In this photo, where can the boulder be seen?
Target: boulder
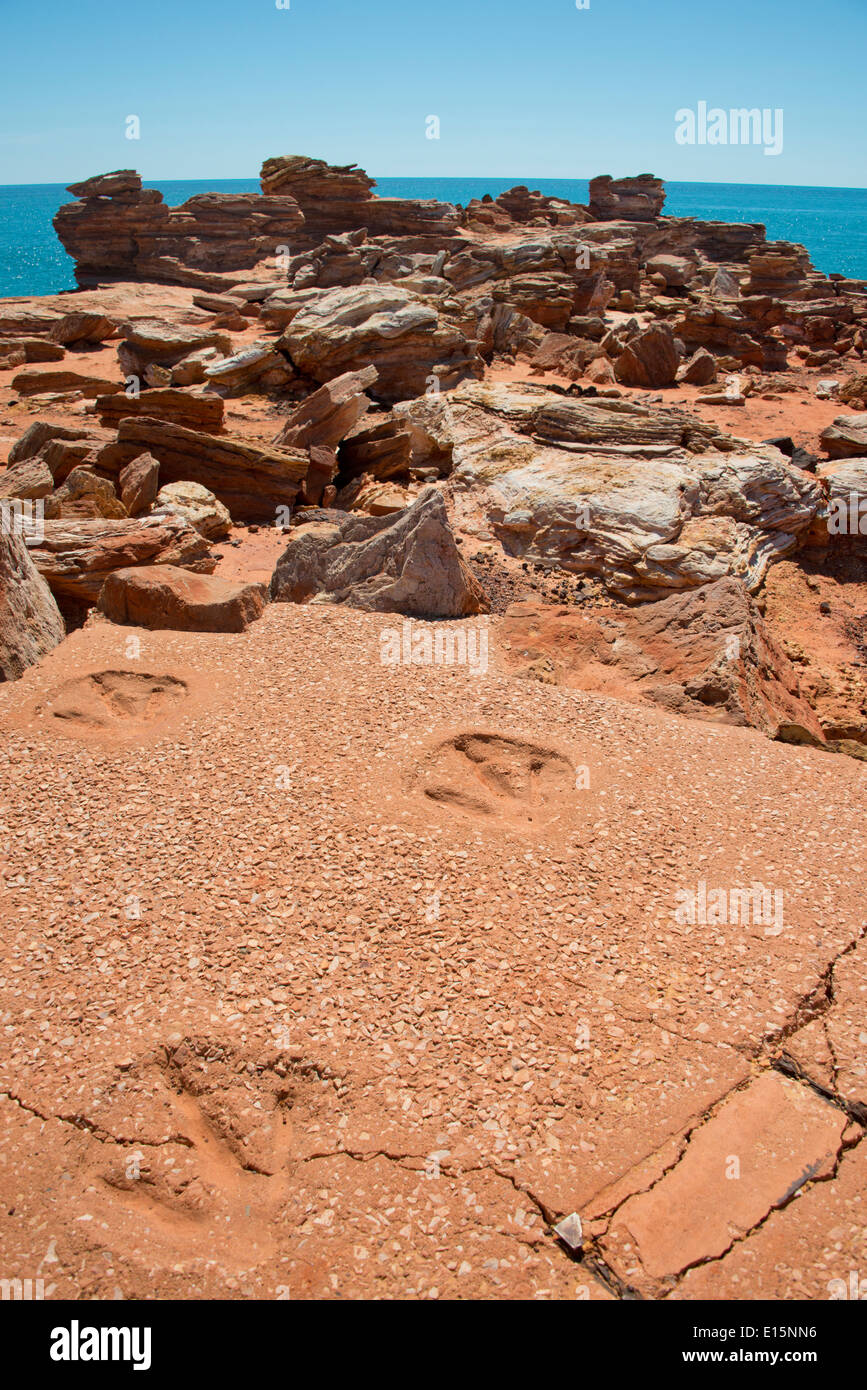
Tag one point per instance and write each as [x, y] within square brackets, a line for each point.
[259, 363]
[648, 499]
[162, 596]
[84, 493]
[676, 271]
[854, 391]
[706, 654]
[11, 357]
[846, 437]
[74, 557]
[147, 342]
[365, 494]
[327, 415]
[408, 563]
[404, 337]
[700, 370]
[44, 432]
[111, 185]
[844, 521]
[377, 445]
[196, 505]
[82, 328]
[649, 359]
[219, 303]
[723, 285]
[30, 479]
[30, 350]
[194, 410]
[251, 479]
[30, 622]
[138, 482]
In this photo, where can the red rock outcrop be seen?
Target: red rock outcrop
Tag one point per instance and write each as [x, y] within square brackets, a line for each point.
[638, 199]
[117, 229]
[706, 654]
[338, 198]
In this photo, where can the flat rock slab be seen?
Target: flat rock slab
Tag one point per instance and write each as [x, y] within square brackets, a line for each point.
[33, 382]
[562, 989]
[805, 1251]
[763, 1144]
[830, 1050]
[163, 596]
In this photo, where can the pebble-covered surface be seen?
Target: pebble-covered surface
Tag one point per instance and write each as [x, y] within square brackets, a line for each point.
[327, 977]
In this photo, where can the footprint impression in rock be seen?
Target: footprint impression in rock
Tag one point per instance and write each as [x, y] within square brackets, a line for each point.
[214, 1188]
[493, 777]
[115, 702]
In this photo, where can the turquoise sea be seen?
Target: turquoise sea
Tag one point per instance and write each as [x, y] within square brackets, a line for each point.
[830, 222]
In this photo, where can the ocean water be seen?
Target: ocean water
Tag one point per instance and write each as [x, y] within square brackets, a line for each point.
[830, 222]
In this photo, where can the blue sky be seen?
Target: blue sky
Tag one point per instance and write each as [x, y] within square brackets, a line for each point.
[521, 87]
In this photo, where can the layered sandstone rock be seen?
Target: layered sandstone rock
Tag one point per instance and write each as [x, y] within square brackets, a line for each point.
[328, 194]
[194, 410]
[649, 500]
[251, 480]
[338, 198]
[36, 382]
[30, 622]
[522, 205]
[638, 199]
[162, 596]
[74, 557]
[16, 351]
[28, 480]
[258, 365]
[82, 328]
[377, 446]
[38, 438]
[407, 563]
[846, 437]
[154, 342]
[327, 415]
[118, 229]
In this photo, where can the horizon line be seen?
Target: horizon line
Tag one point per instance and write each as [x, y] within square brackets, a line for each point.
[439, 178]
